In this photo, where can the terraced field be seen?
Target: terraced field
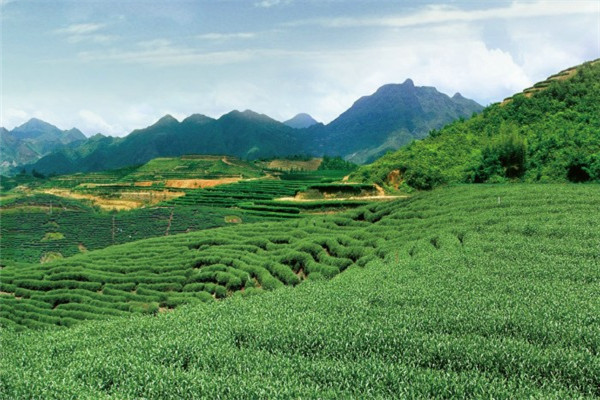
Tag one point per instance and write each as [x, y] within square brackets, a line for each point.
[464, 292]
[166, 272]
[24, 228]
[258, 196]
[161, 273]
[27, 219]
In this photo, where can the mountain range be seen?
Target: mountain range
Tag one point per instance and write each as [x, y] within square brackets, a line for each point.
[29, 142]
[393, 116]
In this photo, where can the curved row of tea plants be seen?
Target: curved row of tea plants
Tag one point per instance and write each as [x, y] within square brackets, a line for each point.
[168, 271]
[34, 227]
[482, 292]
[72, 226]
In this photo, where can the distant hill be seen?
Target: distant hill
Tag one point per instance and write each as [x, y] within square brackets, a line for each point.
[245, 134]
[32, 140]
[393, 116]
[193, 167]
[386, 120]
[301, 121]
[550, 132]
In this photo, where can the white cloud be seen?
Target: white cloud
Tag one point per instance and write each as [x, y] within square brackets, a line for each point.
[166, 56]
[80, 29]
[88, 32]
[271, 3]
[91, 38]
[154, 43]
[544, 48]
[225, 36]
[93, 123]
[11, 117]
[4, 3]
[441, 14]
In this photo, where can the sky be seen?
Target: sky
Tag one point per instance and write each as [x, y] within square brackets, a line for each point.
[113, 66]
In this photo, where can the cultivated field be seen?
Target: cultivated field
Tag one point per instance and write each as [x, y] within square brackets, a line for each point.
[471, 291]
[29, 215]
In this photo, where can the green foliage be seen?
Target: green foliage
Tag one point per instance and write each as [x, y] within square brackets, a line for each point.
[505, 157]
[336, 163]
[472, 291]
[550, 135]
[30, 222]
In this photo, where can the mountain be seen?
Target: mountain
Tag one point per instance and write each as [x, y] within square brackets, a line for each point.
[32, 140]
[301, 121]
[246, 134]
[393, 116]
[549, 132]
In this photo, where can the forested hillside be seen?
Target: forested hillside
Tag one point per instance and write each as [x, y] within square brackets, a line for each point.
[388, 119]
[550, 132]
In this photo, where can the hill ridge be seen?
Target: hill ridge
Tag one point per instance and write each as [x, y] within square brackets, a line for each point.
[360, 134]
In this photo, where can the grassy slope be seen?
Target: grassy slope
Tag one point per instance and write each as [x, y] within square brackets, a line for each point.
[484, 292]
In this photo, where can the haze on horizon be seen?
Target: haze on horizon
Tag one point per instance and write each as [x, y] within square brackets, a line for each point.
[111, 67]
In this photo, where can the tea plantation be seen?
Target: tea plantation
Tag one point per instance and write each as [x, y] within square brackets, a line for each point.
[463, 292]
[27, 219]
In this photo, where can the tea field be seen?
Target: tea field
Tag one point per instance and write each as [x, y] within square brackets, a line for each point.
[36, 226]
[463, 292]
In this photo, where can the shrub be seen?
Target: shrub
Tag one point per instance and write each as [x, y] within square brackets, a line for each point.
[144, 308]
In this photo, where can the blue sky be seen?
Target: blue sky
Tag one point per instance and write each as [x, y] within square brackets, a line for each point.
[113, 66]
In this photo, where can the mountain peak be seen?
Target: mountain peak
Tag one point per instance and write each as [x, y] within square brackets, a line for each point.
[458, 96]
[300, 121]
[247, 115]
[74, 134]
[408, 86]
[250, 113]
[197, 119]
[167, 120]
[35, 123]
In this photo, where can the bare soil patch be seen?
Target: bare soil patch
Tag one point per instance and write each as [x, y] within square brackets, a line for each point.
[143, 183]
[107, 204]
[198, 183]
[125, 201]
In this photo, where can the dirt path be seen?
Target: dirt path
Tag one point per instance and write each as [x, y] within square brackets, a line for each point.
[380, 191]
[226, 161]
[169, 225]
